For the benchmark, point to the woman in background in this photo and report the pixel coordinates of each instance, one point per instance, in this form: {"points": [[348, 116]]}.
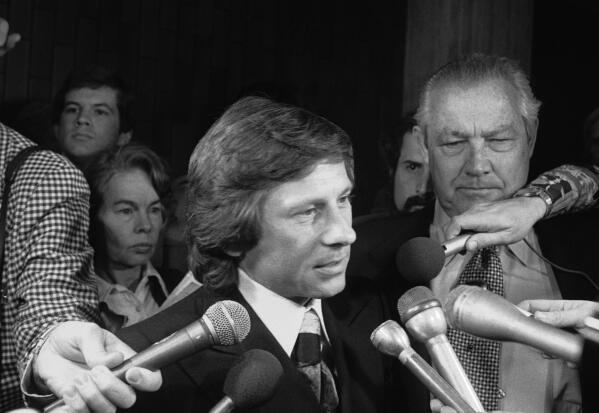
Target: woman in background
{"points": [[129, 186]]}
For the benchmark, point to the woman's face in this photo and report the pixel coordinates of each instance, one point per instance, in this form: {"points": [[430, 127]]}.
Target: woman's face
{"points": [[131, 217]]}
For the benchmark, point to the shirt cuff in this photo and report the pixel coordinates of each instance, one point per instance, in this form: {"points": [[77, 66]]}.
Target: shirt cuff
{"points": [[33, 395]]}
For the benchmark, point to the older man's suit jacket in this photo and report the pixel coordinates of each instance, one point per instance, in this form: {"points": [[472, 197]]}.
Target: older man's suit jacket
{"points": [[194, 384], [570, 241]]}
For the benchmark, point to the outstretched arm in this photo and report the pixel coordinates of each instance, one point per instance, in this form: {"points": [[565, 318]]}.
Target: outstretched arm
{"points": [[565, 189]]}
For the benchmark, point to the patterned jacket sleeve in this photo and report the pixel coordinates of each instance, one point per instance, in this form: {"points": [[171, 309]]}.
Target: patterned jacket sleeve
{"points": [[570, 188], [51, 256]]}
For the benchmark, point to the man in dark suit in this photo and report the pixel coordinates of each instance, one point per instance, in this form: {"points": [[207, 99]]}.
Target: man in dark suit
{"points": [[269, 226], [478, 120]]}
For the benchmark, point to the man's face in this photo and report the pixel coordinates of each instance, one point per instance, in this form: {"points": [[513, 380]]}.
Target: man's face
{"points": [[306, 235], [89, 123], [477, 143], [410, 183]]}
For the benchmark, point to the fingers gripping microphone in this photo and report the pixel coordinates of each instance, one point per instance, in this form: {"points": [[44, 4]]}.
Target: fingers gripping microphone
{"points": [[391, 339], [224, 323], [422, 315], [251, 381], [484, 314]]}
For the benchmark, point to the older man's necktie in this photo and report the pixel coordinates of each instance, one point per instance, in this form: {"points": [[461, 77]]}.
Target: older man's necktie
{"points": [[479, 356], [308, 355]]}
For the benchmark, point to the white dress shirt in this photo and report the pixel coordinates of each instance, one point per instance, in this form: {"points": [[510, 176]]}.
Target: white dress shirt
{"points": [[281, 316], [130, 307]]}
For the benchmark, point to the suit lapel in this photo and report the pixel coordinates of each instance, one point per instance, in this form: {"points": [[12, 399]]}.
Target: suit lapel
{"points": [[339, 314], [292, 388]]}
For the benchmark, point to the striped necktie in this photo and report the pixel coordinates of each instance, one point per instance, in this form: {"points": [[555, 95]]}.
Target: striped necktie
{"points": [[307, 355]]}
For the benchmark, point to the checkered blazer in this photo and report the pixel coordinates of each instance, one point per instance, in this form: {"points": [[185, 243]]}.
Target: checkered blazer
{"points": [[47, 262]]}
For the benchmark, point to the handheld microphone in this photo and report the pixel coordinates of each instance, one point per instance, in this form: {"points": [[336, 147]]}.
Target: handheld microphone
{"points": [[251, 381], [422, 315], [484, 314], [224, 323], [391, 339], [420, 259]]}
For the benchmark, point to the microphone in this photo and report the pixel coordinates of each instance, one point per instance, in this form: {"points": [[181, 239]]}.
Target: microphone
{"points": [[223, 324], [484, 314], [421, 259], [251, 381], [422, 315], [389, 338]]}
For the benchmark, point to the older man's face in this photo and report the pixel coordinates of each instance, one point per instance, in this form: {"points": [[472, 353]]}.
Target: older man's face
{"points": [[478, 147]]}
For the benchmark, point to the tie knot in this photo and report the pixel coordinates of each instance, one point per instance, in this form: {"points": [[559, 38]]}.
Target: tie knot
{"points": [[484, 270], [310, 323], [307, 347], [486, 257]]}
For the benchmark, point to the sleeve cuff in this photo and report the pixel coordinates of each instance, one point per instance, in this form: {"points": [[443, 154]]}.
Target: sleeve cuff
{"points": [[33, 395]]}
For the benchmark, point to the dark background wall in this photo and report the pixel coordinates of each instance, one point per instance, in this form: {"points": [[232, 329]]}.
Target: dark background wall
{"points": [[359, 65], [187, 60], [565, 75]]}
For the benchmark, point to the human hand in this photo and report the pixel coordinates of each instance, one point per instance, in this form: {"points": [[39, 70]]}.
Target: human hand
{"points": [[562, 313], [74, 364], [497, 223], [438, 407], [7, 41]]}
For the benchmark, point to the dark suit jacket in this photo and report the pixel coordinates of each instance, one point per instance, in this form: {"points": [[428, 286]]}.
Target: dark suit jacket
{"points": [[570, 241], [194, 384], [589, 377]]}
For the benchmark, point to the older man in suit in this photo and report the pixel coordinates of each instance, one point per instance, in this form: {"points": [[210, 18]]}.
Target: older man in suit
{"points": [[478, 119], [269, 226]]}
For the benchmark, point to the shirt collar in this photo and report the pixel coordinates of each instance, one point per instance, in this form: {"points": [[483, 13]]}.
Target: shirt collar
{"points": [[280, 315], [106, 287]]}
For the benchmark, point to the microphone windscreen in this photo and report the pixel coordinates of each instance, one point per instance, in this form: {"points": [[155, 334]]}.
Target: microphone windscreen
{"points": [[253, 379], [413, 298], [420, 259], [230, 321]]}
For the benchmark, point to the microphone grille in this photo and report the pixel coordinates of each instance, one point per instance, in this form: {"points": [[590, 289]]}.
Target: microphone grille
{"points": [[253, 379], [230, 320], [413, 298]]}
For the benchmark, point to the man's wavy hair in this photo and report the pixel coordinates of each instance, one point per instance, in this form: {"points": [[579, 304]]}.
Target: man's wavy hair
{"points": [[256, 145], [475, 69]]}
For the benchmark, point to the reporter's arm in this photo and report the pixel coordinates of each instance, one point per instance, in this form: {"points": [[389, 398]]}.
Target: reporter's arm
{"points": [[565, 189]]}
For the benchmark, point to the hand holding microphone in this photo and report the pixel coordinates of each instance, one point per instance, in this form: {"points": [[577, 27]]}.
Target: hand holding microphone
{"points": [[497, 223], [224, 323], [423, 317], [421, 259], [391, 339], [578, 314], [484, 314], [251, 381]]}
